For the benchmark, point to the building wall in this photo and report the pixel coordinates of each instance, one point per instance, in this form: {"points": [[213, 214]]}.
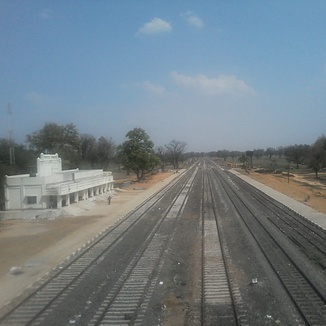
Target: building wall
{"points": [[24, 197], [16, 196], [48, 164], [51, 187]]}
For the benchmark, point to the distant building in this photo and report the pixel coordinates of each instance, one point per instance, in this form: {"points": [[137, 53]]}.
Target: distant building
{"points": [[53, 188]]}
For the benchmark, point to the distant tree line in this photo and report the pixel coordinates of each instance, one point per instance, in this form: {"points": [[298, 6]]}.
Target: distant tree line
{"points": [[312, 156], [75, 149], [137, 154]]}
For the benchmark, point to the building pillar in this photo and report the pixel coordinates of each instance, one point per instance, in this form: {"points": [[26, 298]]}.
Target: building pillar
{"points": [[22, 197], [59, 201], [45, 202], [76, 199], [68, 200], [7, 199]]}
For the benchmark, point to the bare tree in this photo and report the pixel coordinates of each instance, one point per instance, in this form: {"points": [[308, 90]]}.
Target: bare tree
{"points": [[250, 154], [175, 149], [163, 156], [244, 160]]}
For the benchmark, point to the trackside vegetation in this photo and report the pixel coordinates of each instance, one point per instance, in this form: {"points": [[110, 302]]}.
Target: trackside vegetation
{"points": [[138, 154]]}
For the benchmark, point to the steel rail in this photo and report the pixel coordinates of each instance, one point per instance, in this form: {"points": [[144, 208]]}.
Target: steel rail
{"points": [[310, 303], [221, 299], [304, 233], [126, 302], [66, 275]]}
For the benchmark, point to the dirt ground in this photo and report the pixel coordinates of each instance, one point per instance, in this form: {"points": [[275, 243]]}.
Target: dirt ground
{"points": [[304, 188], [37, 246]]}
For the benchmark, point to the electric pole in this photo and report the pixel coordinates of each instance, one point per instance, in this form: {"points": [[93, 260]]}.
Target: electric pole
{"points": [[11, 138]]}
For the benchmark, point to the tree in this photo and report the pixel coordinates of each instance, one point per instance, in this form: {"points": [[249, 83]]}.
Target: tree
{"points": [[24, 161], [280, 151], [258, 153], [244, 160], [137, 153], [250, 154], [296, 154], [224, 154], [88, 148], [163, 156], [175, 150], [317, 155], [24, 158], [106, 151], [270, 151], [53, 138]]}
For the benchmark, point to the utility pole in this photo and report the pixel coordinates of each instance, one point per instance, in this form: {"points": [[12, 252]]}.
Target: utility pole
{"points": [[11, 138]]}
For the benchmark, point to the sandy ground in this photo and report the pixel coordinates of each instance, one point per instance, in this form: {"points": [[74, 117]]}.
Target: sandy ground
{"points": [[37, 246], [303, 188]]}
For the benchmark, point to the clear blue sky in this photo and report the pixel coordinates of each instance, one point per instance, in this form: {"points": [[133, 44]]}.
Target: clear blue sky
{"points": [[215, 74]]}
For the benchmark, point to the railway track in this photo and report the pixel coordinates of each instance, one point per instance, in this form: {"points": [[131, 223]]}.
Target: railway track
{"points": [[127, 303], [221, 300], [304, 233], [310, 302], [126, 300], [116, 279]]}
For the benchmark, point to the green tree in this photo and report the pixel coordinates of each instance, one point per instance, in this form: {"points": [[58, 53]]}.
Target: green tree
{"points": [[88, 149], [270, 151], [137, 153], [25, 162], [53, 138], [317, 155], [106, 151], [224, 153], [296, 154], [258, 153], [280, 151]]}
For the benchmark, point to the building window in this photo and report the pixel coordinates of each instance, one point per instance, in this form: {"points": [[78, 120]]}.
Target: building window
{"points": [[31, 200]]}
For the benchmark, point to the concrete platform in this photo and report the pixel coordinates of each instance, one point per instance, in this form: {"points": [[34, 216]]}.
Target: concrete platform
{"points": [[311, 214]]}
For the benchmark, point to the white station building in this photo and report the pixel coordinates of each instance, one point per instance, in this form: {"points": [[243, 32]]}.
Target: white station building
{"points": [[54, 188]]}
